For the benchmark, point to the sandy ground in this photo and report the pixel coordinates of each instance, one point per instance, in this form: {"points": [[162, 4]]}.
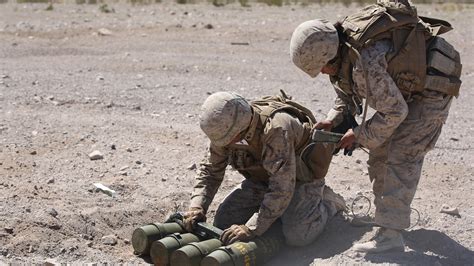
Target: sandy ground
{"points": [[132, 92]]}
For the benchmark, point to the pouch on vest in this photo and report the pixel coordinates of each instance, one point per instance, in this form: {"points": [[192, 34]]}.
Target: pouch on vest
{"points": [[443, 67]]}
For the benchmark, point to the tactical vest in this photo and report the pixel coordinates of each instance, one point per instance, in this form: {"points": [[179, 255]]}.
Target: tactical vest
{"points": [[418, 60], [247, 159]]}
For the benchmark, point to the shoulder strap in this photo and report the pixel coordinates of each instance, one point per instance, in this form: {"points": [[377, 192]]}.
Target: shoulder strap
{"points": [[269, 105], [376, 22]]}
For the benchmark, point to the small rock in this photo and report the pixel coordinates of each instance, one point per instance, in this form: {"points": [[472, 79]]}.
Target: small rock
{"points": [[129, 150], [113, 147], [208, 26], [31, 249], [96, 155], [52, 212], [163, 179], [52, 262], [104, 189], [191, 167], [104, 32], [50, 181], [109, 240], [54, 226], [99, 78], [138, 162], [126, 241], [449, 210], [358, 161], [89, 244], [33, 153], [8, 229], [454, 139], [125, 167], [123, 173]]}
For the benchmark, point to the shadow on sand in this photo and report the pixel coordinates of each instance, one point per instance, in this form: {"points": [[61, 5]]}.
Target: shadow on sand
{"points": [[427, 247], [338, 237]]}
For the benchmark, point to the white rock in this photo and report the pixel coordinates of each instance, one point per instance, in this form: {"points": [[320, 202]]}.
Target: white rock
{"points": [[105, 189], [449, 210], [51, 262], [123, 173], [109, 240], [104, 32], [96, 155]]}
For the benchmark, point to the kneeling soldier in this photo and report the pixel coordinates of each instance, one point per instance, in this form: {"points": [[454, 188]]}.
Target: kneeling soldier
{"points": [[269, 142]]}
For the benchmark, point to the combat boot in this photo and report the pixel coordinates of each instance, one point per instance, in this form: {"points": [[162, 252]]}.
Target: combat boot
{"points": [[385, 239], [331, 196]]}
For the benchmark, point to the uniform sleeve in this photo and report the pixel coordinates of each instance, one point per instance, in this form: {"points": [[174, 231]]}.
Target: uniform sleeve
{"points": [[209, 177], [383, 96], [342, 104], [279, 160]]}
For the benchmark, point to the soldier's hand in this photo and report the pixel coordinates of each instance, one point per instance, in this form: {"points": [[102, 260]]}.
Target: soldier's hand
{"points": [[193, 216], [348, 140], [236, 233], [325, 125]]}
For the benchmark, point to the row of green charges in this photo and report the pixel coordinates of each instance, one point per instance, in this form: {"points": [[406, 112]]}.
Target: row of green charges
{"points": [[169, 244]]}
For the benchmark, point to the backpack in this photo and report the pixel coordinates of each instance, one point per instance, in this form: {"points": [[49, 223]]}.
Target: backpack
{"points": [[268, 105], [420, 59]]}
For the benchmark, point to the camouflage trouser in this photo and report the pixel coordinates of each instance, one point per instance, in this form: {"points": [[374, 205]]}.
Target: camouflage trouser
{"points": [[395, 166], [303, 220]]}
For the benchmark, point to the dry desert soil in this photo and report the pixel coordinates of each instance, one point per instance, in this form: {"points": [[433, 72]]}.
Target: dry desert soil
{"points": [[129, 84]]}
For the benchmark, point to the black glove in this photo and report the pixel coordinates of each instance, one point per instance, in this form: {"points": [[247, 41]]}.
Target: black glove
{"points": [[347, 123]]}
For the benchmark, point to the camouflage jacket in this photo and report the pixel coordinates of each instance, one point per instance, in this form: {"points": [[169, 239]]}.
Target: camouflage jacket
{"points": [[280, 135], [384, 96]]}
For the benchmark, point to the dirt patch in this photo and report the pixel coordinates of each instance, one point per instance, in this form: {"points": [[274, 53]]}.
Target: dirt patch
{"points": [[134, 93]]}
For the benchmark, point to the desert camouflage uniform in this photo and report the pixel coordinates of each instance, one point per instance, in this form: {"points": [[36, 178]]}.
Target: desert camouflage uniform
{"points": [[398, 136], [258, 204]]}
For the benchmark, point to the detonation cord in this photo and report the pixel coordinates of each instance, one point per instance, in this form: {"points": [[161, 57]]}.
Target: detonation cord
{"points": [[366, 214]]}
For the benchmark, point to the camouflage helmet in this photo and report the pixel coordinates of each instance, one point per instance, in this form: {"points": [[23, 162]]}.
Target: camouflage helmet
{"points": [[313, 44], [223, 116]]}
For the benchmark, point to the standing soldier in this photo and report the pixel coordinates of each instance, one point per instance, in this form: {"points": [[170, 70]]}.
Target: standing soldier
{"points": [[267, 142], [394, 60]]}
